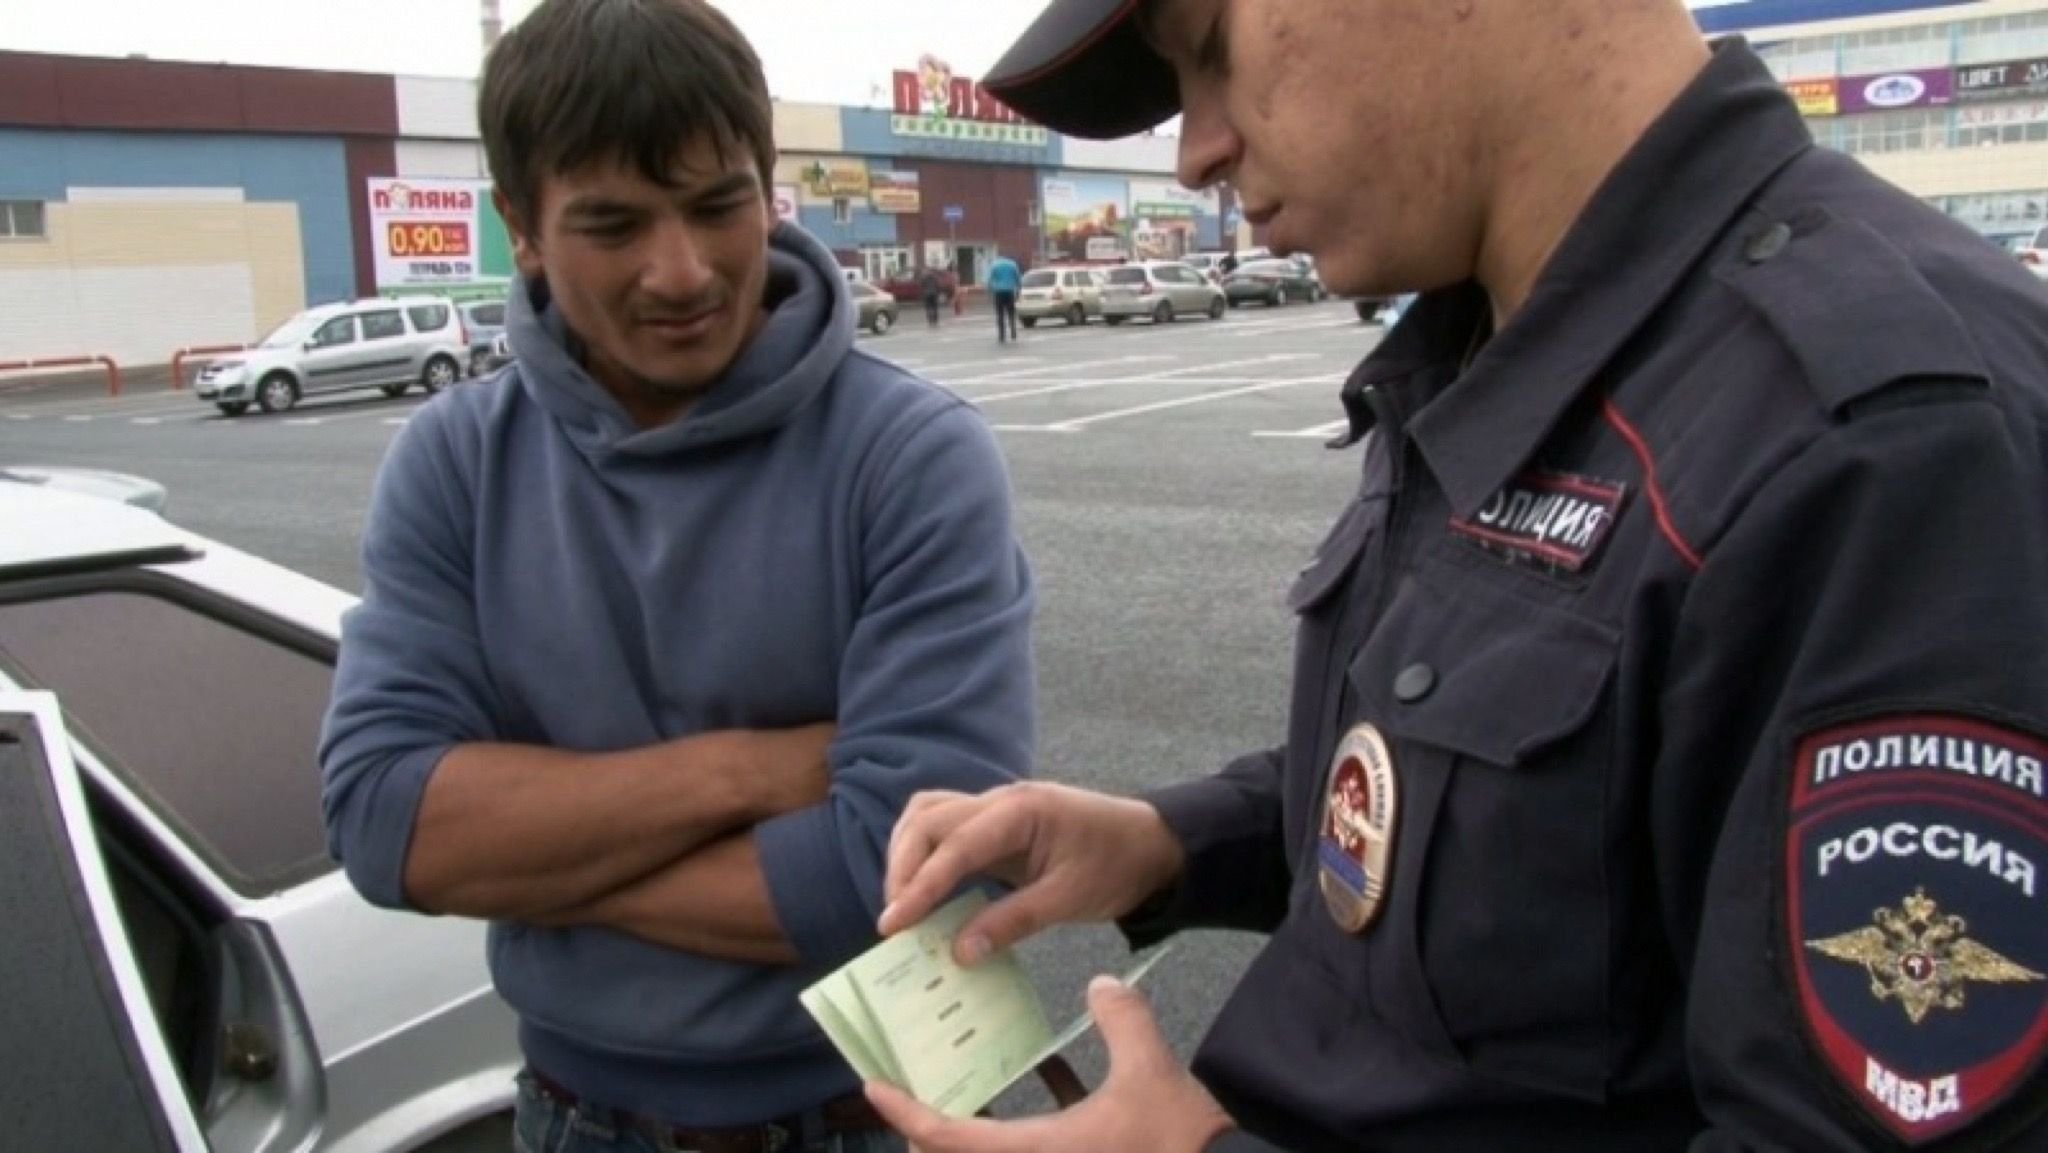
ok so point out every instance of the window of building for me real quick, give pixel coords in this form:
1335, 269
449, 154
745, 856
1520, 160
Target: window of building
21, 220
842, 211
884, 263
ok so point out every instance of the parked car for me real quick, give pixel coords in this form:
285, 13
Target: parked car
1209, 264
390, 344
2034, 253
115, 486
485, 320
1068, 294
182, 958
1160, 290
1272, 283
877, 308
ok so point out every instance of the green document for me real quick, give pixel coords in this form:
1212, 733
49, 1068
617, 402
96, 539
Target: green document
905, 1012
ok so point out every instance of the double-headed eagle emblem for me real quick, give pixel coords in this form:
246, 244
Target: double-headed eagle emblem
1918, 955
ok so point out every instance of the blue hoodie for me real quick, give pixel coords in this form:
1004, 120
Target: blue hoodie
823, 537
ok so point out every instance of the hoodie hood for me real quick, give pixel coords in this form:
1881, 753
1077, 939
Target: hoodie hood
808, 333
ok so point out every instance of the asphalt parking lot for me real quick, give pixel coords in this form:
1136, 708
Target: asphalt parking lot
1170, 481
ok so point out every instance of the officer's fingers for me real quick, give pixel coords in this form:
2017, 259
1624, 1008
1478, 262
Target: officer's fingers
1129, 1031
992, 832
1038, 906
932, 1132
925, 821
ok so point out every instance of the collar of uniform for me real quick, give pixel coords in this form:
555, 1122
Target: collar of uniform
1653, 218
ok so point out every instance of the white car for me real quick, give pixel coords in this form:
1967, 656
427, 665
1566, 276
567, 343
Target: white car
2034, 253
389, 344
184, 965
1161, 291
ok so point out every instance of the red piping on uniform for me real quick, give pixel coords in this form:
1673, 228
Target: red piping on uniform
1063, 59
1654, 490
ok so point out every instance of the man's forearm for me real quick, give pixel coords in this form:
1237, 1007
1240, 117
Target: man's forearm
515, 831
714, 902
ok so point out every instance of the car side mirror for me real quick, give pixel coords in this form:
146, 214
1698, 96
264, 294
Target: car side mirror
311, 345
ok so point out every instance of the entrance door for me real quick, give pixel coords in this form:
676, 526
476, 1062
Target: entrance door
967, 262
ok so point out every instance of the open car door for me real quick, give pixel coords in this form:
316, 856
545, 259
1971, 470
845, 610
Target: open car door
87, 1067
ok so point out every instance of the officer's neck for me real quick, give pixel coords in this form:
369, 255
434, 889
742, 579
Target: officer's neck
1594, 96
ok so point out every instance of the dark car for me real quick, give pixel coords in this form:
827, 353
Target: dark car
1272, 282
877, 308
908, 286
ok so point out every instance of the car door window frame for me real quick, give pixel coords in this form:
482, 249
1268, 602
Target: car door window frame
321, 341
206, 859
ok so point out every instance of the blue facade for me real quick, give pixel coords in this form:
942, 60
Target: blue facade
1718, 16
868, 227
866, 132
310, 172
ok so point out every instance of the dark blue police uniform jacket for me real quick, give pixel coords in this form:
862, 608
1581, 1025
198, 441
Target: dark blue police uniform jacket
1704, 618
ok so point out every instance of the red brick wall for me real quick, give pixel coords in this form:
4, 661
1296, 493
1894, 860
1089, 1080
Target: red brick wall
39, 91
997, 200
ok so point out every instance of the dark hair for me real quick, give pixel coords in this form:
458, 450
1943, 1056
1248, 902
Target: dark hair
581, 81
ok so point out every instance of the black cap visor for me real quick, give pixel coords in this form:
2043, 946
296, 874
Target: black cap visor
1084, 69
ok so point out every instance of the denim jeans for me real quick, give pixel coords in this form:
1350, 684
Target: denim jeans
545, 1125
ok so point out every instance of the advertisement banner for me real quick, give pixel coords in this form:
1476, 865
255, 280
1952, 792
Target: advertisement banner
1082, 210
830, 179
894, 192
1814, 97
933, 104
2002, 115
1167, 198
786, 200
430, 233
1893, 90
2003, 80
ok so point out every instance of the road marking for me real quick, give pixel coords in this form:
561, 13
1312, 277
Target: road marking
1031, 428
1319, 432
20, 416
77, 420
929, 370
305, 420
147, 420
1082, 422
1171, 376
1065, 366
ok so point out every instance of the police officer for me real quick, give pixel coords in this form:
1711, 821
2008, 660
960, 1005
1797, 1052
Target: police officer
1666, 754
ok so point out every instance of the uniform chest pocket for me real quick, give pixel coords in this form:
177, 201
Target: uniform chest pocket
1498, 714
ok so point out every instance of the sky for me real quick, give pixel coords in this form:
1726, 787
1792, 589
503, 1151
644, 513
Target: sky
831, 51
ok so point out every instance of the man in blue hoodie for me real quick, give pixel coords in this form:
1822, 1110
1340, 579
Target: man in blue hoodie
1005, 279
662, 625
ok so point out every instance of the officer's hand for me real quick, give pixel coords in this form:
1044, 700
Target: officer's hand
1072, 855
1149, 1102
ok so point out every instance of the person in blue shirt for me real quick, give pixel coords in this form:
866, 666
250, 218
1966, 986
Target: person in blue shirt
663, 624
1004, 279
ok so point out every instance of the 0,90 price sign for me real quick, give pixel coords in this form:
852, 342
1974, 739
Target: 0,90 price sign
424, 240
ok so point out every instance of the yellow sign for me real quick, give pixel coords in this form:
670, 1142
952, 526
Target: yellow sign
848, 178
1815, 97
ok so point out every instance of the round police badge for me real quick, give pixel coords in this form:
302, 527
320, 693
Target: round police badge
1356, 845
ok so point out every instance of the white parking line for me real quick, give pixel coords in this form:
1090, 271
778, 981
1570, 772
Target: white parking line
20, 416
305, 420
77, 420
1080, 423
1064, 366
1319, 432
1171, 376
931, 369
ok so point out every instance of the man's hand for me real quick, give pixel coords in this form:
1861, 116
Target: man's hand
1072, 855
794, 770
1149, 1103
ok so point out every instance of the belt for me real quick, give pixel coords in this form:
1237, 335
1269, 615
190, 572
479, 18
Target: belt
849, 1113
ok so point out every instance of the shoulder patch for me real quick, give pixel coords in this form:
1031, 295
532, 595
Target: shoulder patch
1915, 921
1853, 310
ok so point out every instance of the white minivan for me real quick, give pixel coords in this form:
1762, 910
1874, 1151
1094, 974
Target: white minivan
389, 344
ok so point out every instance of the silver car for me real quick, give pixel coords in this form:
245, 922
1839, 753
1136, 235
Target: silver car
183, 962
1067, 294
1160, 290
389, 344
